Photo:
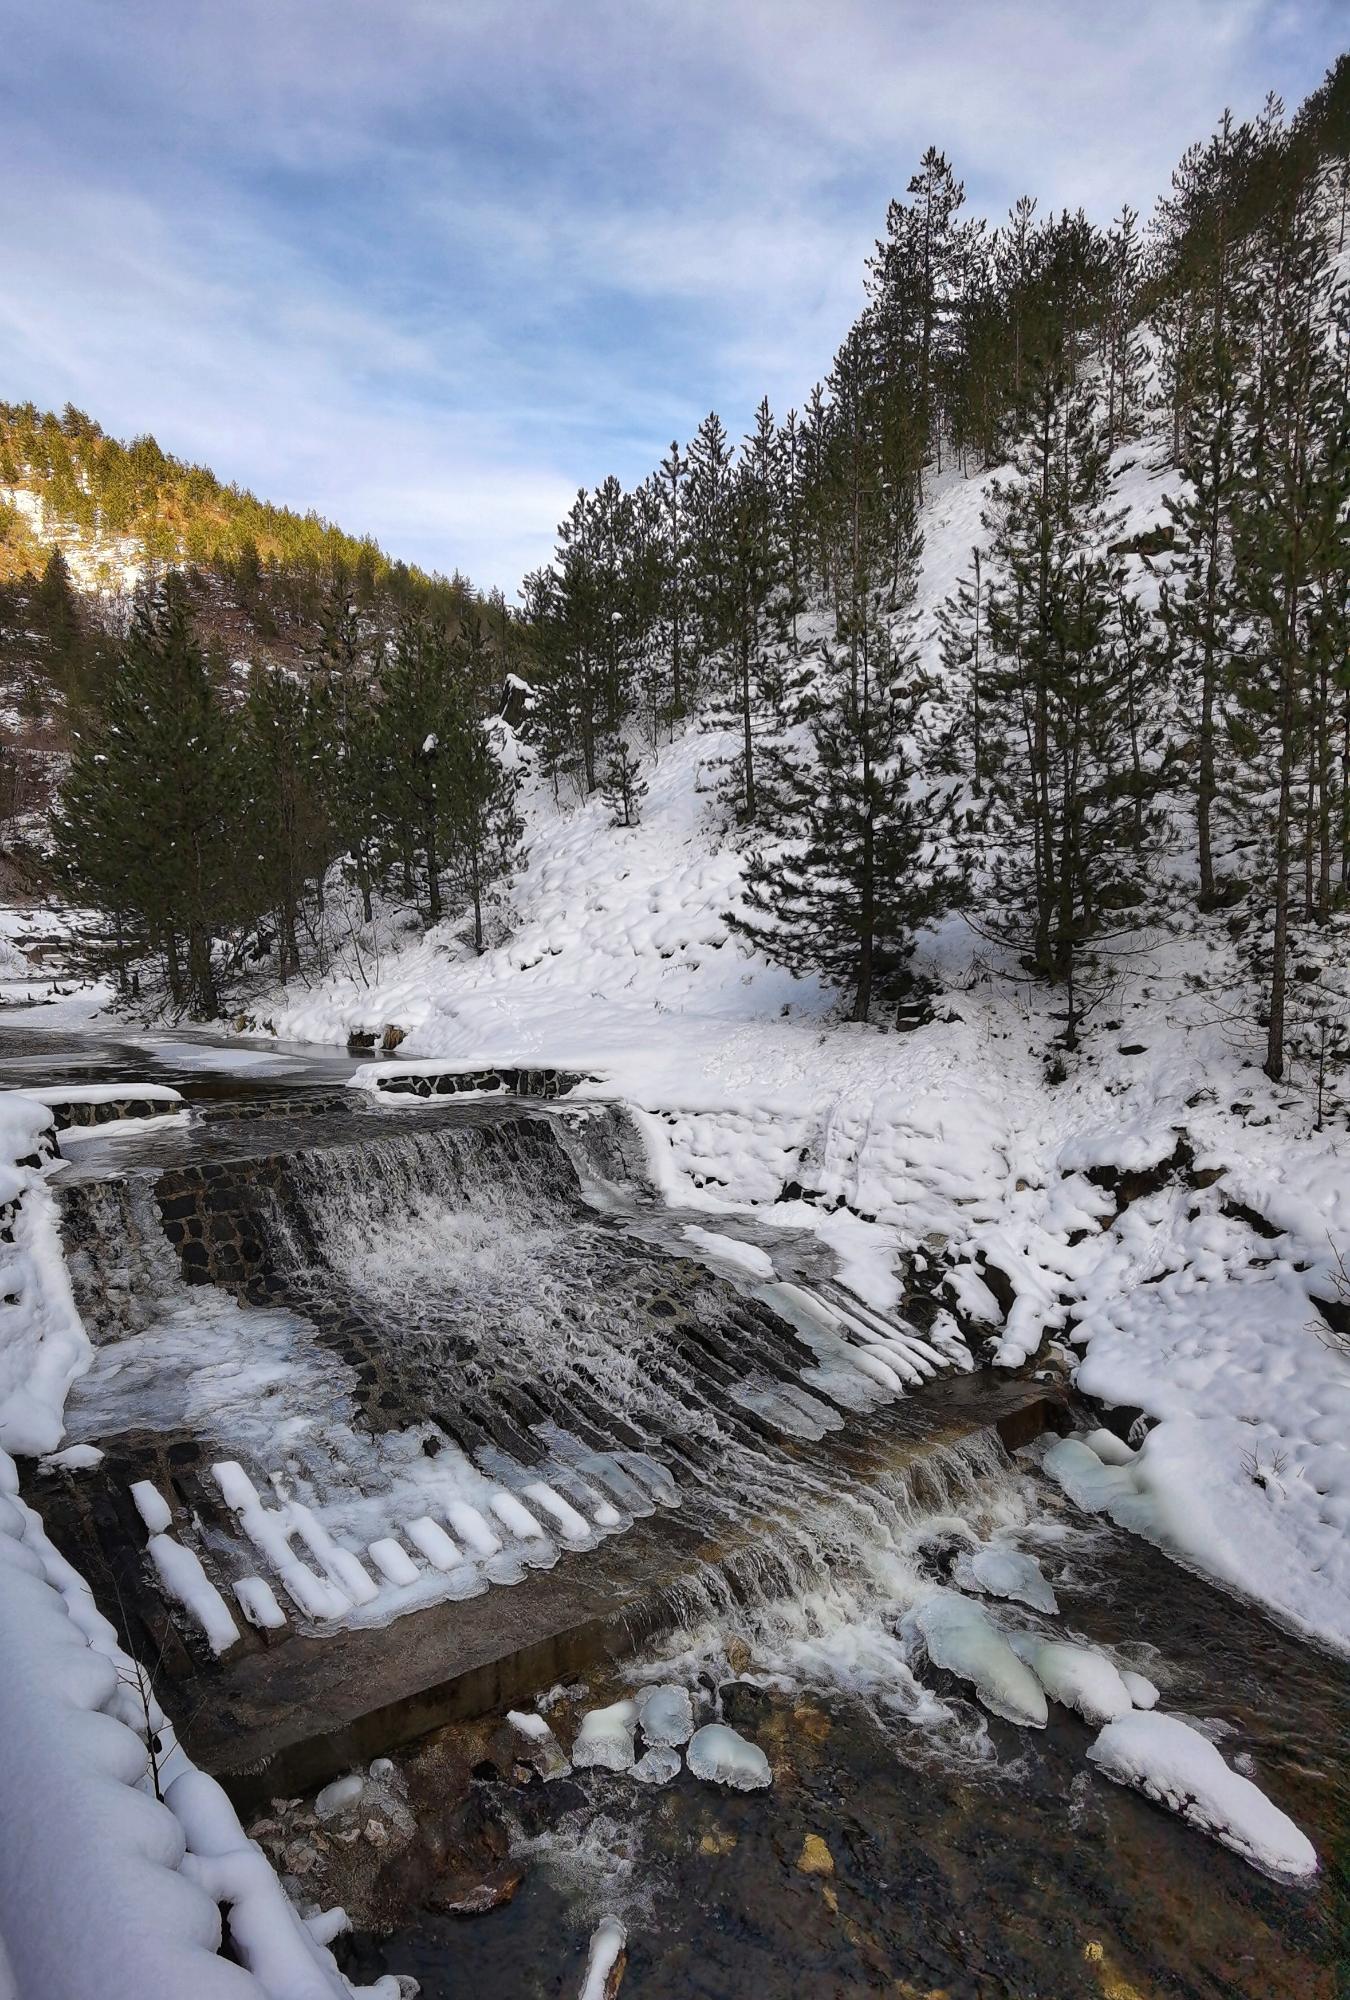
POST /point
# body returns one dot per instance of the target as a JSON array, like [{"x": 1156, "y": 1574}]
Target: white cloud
[{"x": 427, "y": 265}]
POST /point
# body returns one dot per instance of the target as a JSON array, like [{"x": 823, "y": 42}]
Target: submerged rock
[{"x": 743, "y": 1704}]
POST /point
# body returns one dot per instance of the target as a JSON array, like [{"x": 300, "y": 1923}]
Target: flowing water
[
  {"x": 913, "y": 1844},
  {"x": 481, "y": 1309}
]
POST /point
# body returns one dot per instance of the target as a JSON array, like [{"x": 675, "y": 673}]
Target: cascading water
[
  {"x": 121, "y": 1267},
  {"x": 448, "y": 1358}
]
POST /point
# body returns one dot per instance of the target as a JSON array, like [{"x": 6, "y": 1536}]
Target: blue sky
[{"x": 430, "y": 265}]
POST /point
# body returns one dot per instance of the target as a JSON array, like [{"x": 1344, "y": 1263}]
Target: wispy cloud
[{"x": 429, "y": 265}]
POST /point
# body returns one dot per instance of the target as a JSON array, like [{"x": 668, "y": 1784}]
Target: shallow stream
[{"x": 910, "y": 1844}]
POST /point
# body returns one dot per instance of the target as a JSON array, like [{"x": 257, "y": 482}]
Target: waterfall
[{"x": 122, "y": 1270}]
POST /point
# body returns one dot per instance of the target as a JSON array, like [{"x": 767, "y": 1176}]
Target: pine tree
[
  {"x": 58, "y": 629},
  {"x": 1124, "y": 347},
  {"x": 149, "y": 829},
  {"x": 751, "y": 572},
  {"x": 422, "y": 709},
  {"x": 486, "y": 828},
  {"x": 963, "y": 625},
  {"x": 859, "y": 873},
  {"x": 1289, "y": 531},
  {"x": 1062, "y": 811},
  {"x": 284, "y": 780},
  {"x": 672, "y": 477},
  {"x": 1196, "y": 602},
  {"x": 624, "y": 786}
]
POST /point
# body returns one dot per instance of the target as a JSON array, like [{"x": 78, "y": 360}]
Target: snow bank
[
  {"x": 1169, "y": 1761},
  {"x": 52, "y": 1094},
  {"x": 43, "y": 1345},
  {"x": 106, "y": 1890}
]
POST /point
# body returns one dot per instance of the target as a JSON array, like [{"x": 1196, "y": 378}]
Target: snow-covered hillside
[{"x": 1164, "y": 1212}]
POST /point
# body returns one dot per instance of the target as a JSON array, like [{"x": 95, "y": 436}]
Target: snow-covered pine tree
[
  {"x": 859, "y": 870},
  {"x": 624, "y": 786},
  {"x": 1069, "y": 842},
  {"x": 1290, "y": 530}
]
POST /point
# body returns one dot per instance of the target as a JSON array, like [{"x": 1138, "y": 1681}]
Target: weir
[{"x": 405, "y": 1415}]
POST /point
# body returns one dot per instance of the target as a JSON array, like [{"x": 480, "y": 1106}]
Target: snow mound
[
  {"x": 605, "y": 1738},
  {"x": 960, "y": 1638},
  {"x": 1169, "y": 1761},
  {"x": 721, "y": 1756}
]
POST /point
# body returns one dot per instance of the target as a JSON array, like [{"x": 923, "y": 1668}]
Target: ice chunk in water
[
  {"x": 1078, "y": 1676},
  {"x": 666, "y": 1714},
  {"x": 960, "y": 1638},
  {"x": 657, "y": 1767},
  {"x": 1165, "y": 1758},
  {"x": 1006, "y": 1573},
  {"x": 606, "y": 1738},
  {"x": 721, "y": 1756}
]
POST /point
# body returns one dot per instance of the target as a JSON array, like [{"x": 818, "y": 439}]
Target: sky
[{"x": 429, "y": 266}]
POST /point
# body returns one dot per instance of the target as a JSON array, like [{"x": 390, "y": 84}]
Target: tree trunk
[
  {"x": 1279, "y": 953},
  {"x": 747, "y": 739}
]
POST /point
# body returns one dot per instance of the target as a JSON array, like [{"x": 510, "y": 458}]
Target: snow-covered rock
[
  {"x": 1174, "y": 1764},
  {"x": 605, "y": 1738}
]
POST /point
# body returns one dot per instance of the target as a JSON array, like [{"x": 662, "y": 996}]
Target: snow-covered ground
[
  {"x": 1194, "y": 1302},
  {"x": 950, "y": 1139}
]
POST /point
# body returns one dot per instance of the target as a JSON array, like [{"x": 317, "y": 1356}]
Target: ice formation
[
  {"x": 1005, "y": 1573},
  {"x": 721, "y": 1756},
  {"x": 1077, "y": 1676},
  {"x": 666, "y": 1714},
  {"x": 960, "y": 1638}
]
